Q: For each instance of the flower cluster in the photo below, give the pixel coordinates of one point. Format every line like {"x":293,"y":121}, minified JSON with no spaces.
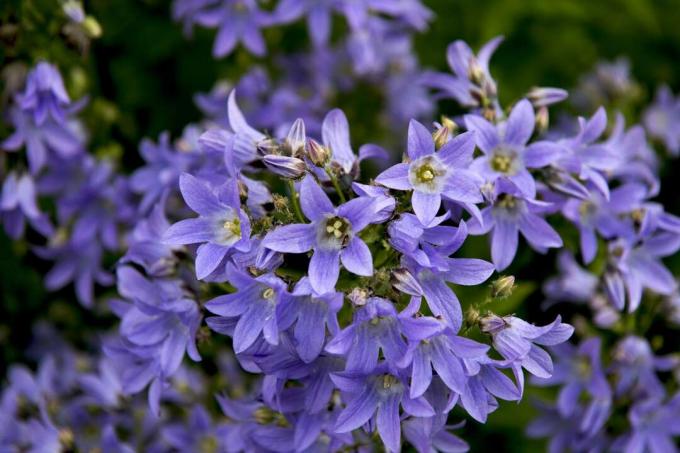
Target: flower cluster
{"x":319,"y":307}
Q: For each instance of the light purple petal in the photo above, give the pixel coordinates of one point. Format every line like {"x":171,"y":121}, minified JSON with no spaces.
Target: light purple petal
{"x":425,"y":205}
{"x":520,"y":124}
{"x":486,"y":135}
{"x":296,"y":238}
{"x":457,"y":152}
{"x":420,"y":141}
{"x":395,"y":177}
{"x":313,"y":200}
{"x":198,"y":196}
{"x":356,"y":257}
{"x":504,"y":241}
{"x":324,"y":269}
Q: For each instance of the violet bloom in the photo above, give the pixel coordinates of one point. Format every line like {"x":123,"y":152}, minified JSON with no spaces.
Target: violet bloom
{"x":587,"y":159}
{"x":506,"y":154}
{"x":163,"y":167}
{"x":332,"y":235}
{"x":311,"y":313}
{"x":160,"y":317}
{"x":221,"y":226}
{"x":335,"y":135}
{"x":378,"y":394}
{"x":431,"y":268}
{"x":45,"y":95}
{"x":579,"y":369}
{"x":439,"y":350}
{"x":198,"y":433}
{"x":375,"y":327}
{"x":655,"y":426}
{"x":573,"y":283}
{"x":318,"y":14}
{"x":636,"y":367}
{"x":661,"y":119}
{"x":256,"y":306}
{"x":75,"y":262}
{"x":237,"y":21}
{"x":509,"y":215}
{"x":471,"y":79}
{"x":597,"y":215}
{"x":41,"y":141}
{"x":18,"y":204}
{"x":517,"y":341}
{"x":433,"y":175}
{"x":634,"y":267}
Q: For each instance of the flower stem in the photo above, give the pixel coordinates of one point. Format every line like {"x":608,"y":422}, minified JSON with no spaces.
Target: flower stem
{"x":296,"y":201}
{"x":336,"y":185}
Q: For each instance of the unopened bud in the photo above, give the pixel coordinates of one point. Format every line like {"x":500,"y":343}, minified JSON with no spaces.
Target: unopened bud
{"x":288,"y":167}
{"x":441,"y":136}
{"x":295,"y":140}
{"x":267,"y":146}
{"x":475,"y":72}
{"x":92,"y":27}
{"x":544,"y":96}
{"x":405,"y":282}
{"x":492,"y":324}
{"x":358,"y":296}
{"x":503,"y":287}
{"x":542,"y":119}
{"x":317,"y":153}
{"x":449,"y":123}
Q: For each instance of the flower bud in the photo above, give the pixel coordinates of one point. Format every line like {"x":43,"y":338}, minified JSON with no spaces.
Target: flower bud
{"x":544,"y":96}
{"x":358,"y":296}
{"x":475,"y":72}
{"x":404,"y":281}
{"x":288,"y":167}
{"x":267,"y":146}
{"x":317,"y":153}
{"x":92,"y":27}
{"x":542,"y":119}
{"x":449,"y":123}
{"x":502,"y":287}
{"x":441,"y":136}
{"x":295,"y":140}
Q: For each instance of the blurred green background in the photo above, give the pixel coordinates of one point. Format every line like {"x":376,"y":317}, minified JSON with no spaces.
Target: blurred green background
{"x":142,"y":73}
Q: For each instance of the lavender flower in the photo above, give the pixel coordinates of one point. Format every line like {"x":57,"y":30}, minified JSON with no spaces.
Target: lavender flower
{"x":432,"y":175}
{"x":221,"y":226}
{"x":332,"y":235}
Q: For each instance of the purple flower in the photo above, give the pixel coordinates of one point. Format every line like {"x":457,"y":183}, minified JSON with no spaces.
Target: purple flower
{"x":661,"y":119}
{"x":587,"y":159}
{"x":256,"y":305}
{"x":236,"y":20}
{"x":432,"y":175}
{"x":517,"y":341}
{"x":509,"y":215}
{"x":220,"y":227}
{"x":41,"y":141}
{"x":378,"y":394}
{"x":161,"y":317}
{"x":45,"y":95}
{"x":375,"y":327}
{"x":635,"y":367}
{"x":431,"y":267}
{"x":18,"y":204}
{"x":579,"y":370}
{"x":471,"y":80}
{"x":75,"y":262}
{"x":311,"y":313}
{"x":573,"y":284}
{"x":654,"y":424}
{"x":164,"y":165}
{"x":634,"y":267}
{"x":599,"y":215}
{"x":333,"y":235}
{"x":433,"y":347}
{"x":506,"y":154}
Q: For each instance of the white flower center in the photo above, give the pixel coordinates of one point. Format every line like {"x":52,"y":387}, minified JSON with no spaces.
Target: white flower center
{"x":428,"y":174}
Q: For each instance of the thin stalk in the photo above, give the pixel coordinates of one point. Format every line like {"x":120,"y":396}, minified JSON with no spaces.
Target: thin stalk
{"x":336,"y":185}
{"x":296,"y":201}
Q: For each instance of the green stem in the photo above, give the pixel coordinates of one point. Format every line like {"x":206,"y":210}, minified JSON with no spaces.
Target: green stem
{"x":296,"y":201}
{"x":336,"y":184}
